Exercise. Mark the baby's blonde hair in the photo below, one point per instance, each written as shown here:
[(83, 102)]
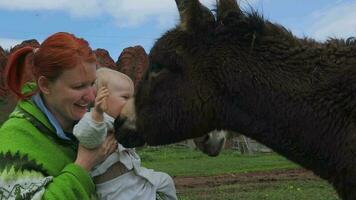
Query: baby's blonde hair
[(104, 75)]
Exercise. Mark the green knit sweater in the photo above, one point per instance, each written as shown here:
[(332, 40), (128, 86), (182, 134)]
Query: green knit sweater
[(35, 163)]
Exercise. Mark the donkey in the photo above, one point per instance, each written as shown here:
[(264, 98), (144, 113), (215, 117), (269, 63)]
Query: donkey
[(236, 71)]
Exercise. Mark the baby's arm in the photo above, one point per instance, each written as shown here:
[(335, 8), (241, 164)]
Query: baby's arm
[(91, 130)]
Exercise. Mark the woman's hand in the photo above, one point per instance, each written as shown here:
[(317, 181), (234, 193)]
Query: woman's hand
[(88, 158)]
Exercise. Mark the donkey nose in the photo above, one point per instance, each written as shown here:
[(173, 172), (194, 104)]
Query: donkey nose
[(126, 135)]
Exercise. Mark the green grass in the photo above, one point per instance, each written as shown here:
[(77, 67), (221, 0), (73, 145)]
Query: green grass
[(180, 161)]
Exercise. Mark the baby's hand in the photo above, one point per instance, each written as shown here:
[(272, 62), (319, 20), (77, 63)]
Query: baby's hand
[(100, 105), (100, 100)]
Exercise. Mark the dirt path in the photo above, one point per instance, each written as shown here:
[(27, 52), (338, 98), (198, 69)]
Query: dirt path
[(251, 177)]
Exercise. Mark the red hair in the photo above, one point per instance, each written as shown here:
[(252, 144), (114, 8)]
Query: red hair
[(58, 52)]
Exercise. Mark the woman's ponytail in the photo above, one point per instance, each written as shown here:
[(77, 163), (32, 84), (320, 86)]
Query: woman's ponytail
[(16, 71)]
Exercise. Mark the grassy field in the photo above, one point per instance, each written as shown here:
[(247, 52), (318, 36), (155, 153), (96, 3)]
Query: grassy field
[(181, 161), (184, 162)]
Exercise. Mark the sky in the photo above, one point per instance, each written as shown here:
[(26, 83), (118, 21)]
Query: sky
[(116, 24)]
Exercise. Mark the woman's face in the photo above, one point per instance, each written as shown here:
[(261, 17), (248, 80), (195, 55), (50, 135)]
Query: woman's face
[(70, 94)]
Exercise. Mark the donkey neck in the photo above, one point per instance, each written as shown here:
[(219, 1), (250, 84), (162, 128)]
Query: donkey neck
[(292, 112)]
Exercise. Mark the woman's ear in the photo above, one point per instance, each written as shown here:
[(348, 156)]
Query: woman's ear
[(44, 85)]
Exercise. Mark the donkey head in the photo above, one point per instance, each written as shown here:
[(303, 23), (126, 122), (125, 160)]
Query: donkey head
[(178, 97)]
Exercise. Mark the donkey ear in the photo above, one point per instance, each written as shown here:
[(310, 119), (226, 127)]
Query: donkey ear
[(194, 16), (224, 7), (133, 61)]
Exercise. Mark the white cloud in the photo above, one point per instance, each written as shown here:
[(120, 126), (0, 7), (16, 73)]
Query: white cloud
[(334, 21), (125, 12), (32, 5), (78, 8), (133, 13), (130, 12), (7, 43)]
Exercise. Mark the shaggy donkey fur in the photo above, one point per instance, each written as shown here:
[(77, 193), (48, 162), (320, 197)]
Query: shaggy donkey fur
[(236, 71)]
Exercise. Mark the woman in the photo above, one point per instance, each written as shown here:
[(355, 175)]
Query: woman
[(39, 156)]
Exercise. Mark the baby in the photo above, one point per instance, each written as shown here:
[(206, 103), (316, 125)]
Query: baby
[(120, 176)]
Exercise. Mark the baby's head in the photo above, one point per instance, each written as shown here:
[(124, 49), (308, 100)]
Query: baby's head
[(120, 86)]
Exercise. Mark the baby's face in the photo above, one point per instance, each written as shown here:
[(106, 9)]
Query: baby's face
[(120, 90)]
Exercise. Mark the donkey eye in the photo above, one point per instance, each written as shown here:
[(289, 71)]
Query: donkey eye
[(155, 67)]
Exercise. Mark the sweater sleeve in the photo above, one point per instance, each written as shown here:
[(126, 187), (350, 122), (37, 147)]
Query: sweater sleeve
[(65, 186), (90, 133), (72, 183), (35, 166)]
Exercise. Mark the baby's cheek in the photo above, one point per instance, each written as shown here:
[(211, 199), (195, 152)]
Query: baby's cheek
[(122, 102)]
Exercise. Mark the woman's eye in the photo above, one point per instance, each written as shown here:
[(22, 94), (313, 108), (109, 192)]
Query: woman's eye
[(78, 87), (81, 86)]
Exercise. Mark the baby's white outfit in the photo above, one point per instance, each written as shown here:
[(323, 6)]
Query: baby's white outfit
[(139, 183)]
